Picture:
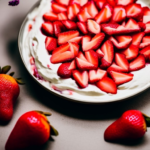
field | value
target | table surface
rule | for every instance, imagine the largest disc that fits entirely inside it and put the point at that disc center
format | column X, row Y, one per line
column 80, row 126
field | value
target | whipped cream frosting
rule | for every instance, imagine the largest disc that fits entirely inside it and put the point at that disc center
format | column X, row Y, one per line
column 33, row 45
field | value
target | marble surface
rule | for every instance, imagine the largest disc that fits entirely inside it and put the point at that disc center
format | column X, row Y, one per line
column 80, row 126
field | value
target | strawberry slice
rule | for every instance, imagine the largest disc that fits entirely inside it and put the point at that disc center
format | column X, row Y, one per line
column 79, row 2
column 82, row 27
column 47, row 28
column 93, row 26
column 64, row 37
column 134, row 11
column 70, row 25
column 72, row 11
column 121, row 41
column 125, row 2
column 74, row 47
column 119, row 14
column 91, row 8
column 121, row 61
column 145, row 42
column 96, row 75
column 62, row 16
column 50, row 16
column 99, row 53
column 107, row 85
column 100, row 3
column 58, row 27
column 137, row 38
column 88, row 44
column 64, row 2
column 137, row 63
column 72, row 65
column 81, row 78
column 108, row 50
column 146, row 11
column 112, row 2
column 63, row 71
column 58, row 8
column 76, row 39
column 146, row 53
column 81, row 56
column 92, row 57
column 131, row 52
column 50, row 43
column 104, row 15
column 147, row 30
column 121, row 78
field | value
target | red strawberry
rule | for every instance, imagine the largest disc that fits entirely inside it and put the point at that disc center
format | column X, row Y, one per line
column 50, row 16
column 107, row 85
column 72, row 65
column 142, row 26
column 145, row 42
column 80, row 2
column 64, row 2
column 50, row 43
column 121, row 78
column 81, row 56
column 70, row 25
column 99, row 53
column 108, row 50
column 47, row 27
column 91, row 9
column 74, row 47
column 82, row 27
column 121, row 41
column 137, row 38
column 58, row 27
column 100, row 3
column 88, row 44
column 58, row 8
column 63, row 70
column 147, row 30
column 137, row 63
column 121, row 61
column 76, row 39
column 104, row 15
column 131, row 52
column 96, row 75
column 146, row 11
column 146, row 53
column 112, row 2
column 93, row 26
column 81, row 78
column 92, row 57
column 125, row 2
column 62, row 16
column 64, row 37
column 130, row 126
column 32, row 129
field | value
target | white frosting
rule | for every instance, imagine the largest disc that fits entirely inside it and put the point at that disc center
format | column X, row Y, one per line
column 140, row 82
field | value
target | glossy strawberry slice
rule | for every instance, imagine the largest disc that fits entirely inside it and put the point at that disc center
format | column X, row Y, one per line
column 92, row 57
column 76, row 39
column 146, row 53
column 137, row 63
column 50, row 43
column 70, row 25
column 108, row 50
column 147, row 30
column 93, row 26
column 145, row 42
column 104, row 15
column 50, row 16
column 72, row 11
column 137, row 38
column 64, row 37
column 121, row 41
column 120, row 60
column 47, row 27
column 80, row 2
column 58, row 8
column 58, row 27
column 91, row 8
column 64, row 2
column 63, row 71
column 74, row 47
column 72, row 65
column 81, row 78
column 96, row 75
column 62, row 16
column 88, row 44
column 107, row 85
column 82, row 27
column 121, row 78
column 81, row 56
column 119, row 14
column 125, row 2
column 99, row 53
column 100, row 3
column 131, row 52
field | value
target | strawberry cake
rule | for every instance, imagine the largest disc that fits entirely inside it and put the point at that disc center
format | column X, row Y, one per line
column 89, row 50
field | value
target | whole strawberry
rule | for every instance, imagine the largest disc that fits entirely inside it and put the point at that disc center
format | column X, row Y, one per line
column 9, row 91
column 31, row 129
column 131, row 125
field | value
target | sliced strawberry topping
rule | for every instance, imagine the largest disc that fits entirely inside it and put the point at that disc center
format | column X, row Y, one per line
column 80, row 2
column 104, row 15
column 72, row 65
column 81, row 77
column 96, row 75
column 137, row 38
column 108, row 50
column 99, row 53
column 137, row 63
column 100, row 3
column 88, row 44
column 125, row 2
column 70, row 25
column 76, row 39
column 121, row 61
column 63, row 70
column 50, row 43
column 145, row 42
column 121, row 78
column 81, row 56
column 91, row 8
column 50, row 16
column 131, row 52
column 112, row 2
column 146, row 53
column 147, row 30
column 107, row 85
column 62, row 16
column 82, row 27
column 47, row 27
column 58, row 8
column 64, row 2
column 74, row 47
column 66, row 36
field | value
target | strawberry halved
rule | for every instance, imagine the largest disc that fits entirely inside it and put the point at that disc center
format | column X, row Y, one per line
column 62, row 16
column 79, row 2
column 91, row 8
column 70, row 25
column 125, row 2
column 146, row 53
column 99, row 53
column 50, row 16
column 76, row 39
column 137, row 38
column 74, row 47
column 100, row 3
column 147, row 30
column 47, row 27
column 50, row 43
column 64, row 2
column 58, row 8
column 72, row 65
column 82, row 27
column 145, row 42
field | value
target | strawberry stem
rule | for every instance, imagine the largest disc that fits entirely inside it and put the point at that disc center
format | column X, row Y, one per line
column 5, row 69
column 54, row 131
column 147, row 119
